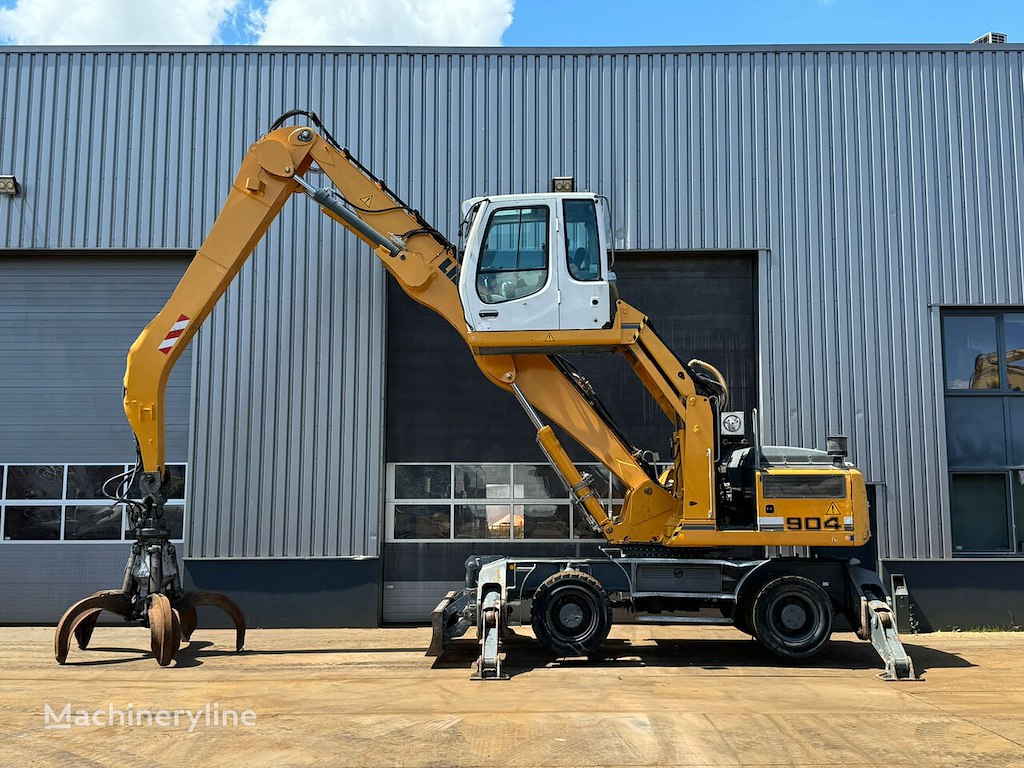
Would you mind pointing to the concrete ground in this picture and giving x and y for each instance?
(666, 696)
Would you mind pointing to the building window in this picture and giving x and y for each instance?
(983, 359)
(65, 502)
(984, 351)
(490, 502)
(978, 504)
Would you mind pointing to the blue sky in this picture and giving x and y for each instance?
(508, 22)
(738, 22)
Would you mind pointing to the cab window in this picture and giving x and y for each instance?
(514, 254)
(582, 247)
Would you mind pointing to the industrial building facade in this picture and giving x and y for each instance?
(841, 230)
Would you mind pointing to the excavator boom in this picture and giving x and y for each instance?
(420, 259)
(679, 512)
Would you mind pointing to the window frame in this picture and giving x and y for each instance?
(64, 503)
(1005, 395)
(1004, 349)
(548, 270)
(611, 500)
(997, 314)
(568, 252)
(1016, 532)
(1011, 528)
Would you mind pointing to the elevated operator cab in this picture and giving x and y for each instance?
(537, 262)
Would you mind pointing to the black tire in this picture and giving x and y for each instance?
(792, 617)
(571, 614)
(741, 615)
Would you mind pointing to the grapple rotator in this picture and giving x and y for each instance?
(151, 593)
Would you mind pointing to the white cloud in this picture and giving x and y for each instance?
(269, 22)
(114, 22)
(382, 22)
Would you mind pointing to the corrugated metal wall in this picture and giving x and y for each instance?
(877, 182)
(42, 579)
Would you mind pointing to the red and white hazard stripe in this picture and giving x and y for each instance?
(172, 335)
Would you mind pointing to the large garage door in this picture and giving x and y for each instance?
(66, 322)
(453, 438)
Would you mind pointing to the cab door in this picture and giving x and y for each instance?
(512, 286)
(583, 276)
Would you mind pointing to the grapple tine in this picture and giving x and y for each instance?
(84, 627)
(175, 630)
(189, 619)
(164, 629)
(86, 623)
(114, 601)
(191, 600)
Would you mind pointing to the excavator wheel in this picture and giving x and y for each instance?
(571, 614)
(792, 617)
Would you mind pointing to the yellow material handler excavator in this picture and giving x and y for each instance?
(532, 283)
